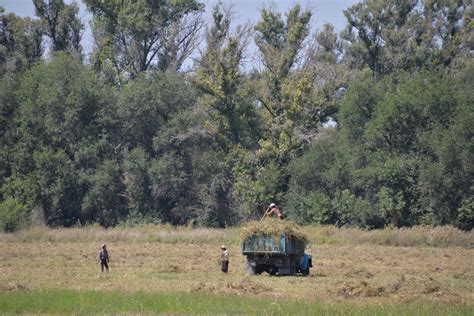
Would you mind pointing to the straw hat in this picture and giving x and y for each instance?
(223, 247)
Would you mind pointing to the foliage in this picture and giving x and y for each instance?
(12, 215)
(388, 36)
(219, 77)
(21, 42)
(61, 24)
(397, 159)
(369, 127)
(132, 35)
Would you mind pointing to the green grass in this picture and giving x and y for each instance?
(96, 302)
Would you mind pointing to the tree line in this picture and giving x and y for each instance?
(370, 126)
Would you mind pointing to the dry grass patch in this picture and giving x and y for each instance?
(445, 236)
(273, 227)
(361, 274)
(352, 269)
(248, 286)
(147, 233)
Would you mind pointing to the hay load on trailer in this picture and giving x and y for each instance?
(275, 247)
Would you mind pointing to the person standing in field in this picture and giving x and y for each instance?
(224, 259)
(104, 258)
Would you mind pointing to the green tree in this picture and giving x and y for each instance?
(409, 107)
(137, 183)
(446, 177)
(59, 104)
(103, 201)
(280, 41)
(375, 23)
(130, 36)
(391, 35)
(314, 207)
(146, 104)
(281, 92)
(357, 107)
(12, 215)
(220, 78)
(61, 24)
(21, 42)
(401, 156)
(324, 59)
(56, 121)
(191, 176)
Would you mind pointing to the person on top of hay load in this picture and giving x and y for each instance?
(273, 209)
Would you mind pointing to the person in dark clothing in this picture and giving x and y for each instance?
(104, 258)
(224, 259)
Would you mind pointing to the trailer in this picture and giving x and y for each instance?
(276, 255)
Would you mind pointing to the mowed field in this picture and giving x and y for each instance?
(161, 269)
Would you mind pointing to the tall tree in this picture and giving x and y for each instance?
(220, 77)
(21, 42)
(62, 24)
(180, 40)
(280, 41)
(131, 36)
(372, 24)
(282, 90)
(56, 122)
(409, 35)
(324, 62)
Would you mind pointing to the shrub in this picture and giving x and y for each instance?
(465, 220)
(314, 207)
(12, 215)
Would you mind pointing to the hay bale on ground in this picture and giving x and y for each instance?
(273, 227)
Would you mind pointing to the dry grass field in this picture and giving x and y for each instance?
(349, 266)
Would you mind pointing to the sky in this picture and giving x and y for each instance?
(324, 11)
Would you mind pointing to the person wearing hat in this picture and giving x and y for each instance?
(224, 259)
(273, 209)
(104, 258)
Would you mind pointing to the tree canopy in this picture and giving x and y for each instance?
(368, 127)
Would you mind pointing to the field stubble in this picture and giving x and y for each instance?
(186, 260)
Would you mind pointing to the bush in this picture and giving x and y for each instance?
(12, 215)
(314, 207)
(465, 220)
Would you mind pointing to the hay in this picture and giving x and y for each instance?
(273, 227)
